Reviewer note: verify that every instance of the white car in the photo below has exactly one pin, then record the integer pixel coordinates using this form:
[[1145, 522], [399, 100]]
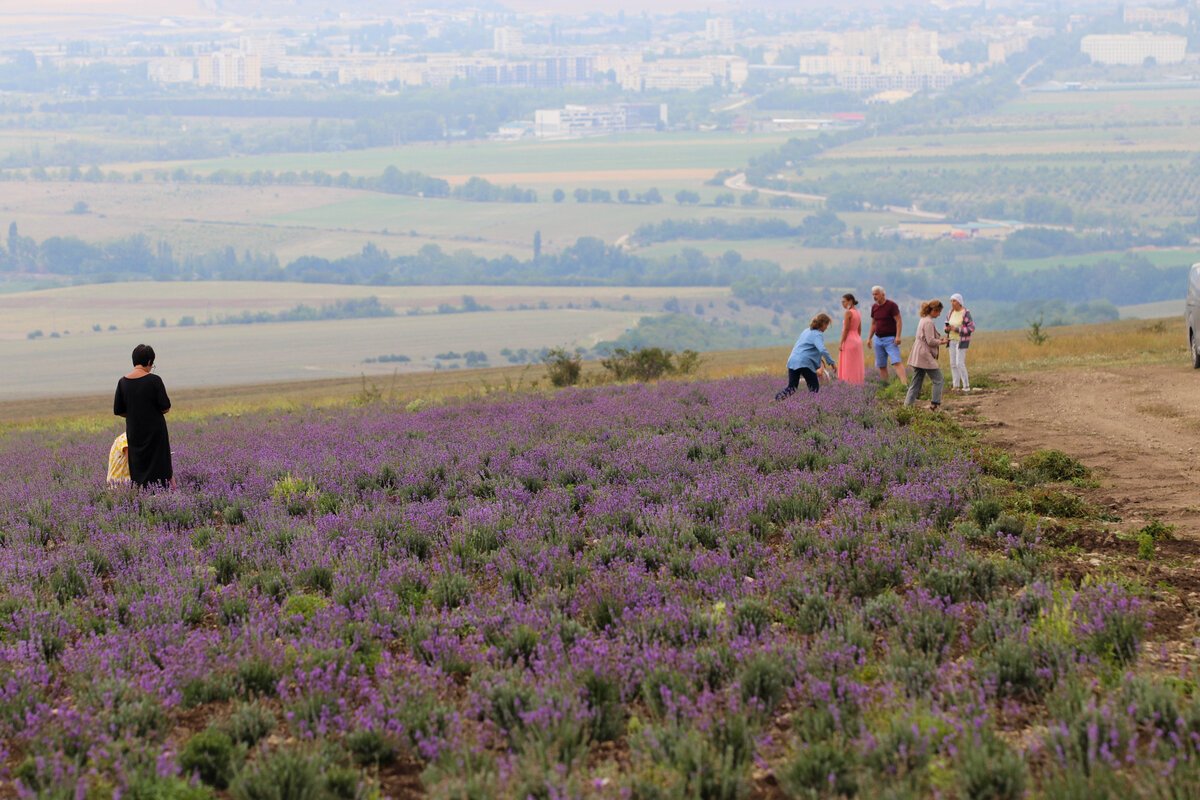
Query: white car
[[1193, 314]]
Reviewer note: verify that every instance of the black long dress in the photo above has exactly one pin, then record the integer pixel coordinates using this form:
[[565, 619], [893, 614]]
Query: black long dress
[[143, 401]]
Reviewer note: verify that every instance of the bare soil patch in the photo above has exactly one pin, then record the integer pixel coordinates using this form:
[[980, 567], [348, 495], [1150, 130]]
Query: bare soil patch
[[1137, 427]]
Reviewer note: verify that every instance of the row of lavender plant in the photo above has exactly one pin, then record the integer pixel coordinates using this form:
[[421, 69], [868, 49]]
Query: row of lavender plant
[[668, 591]]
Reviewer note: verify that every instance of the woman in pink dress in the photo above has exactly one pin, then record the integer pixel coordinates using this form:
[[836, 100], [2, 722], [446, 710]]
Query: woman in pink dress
[[850, 361]]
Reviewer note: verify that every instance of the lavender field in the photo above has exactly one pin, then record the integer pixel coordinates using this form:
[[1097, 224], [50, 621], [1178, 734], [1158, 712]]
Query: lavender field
[[671, 591]]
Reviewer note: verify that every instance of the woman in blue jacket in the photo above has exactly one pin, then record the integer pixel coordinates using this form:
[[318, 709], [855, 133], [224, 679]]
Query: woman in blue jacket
[[806, 357]]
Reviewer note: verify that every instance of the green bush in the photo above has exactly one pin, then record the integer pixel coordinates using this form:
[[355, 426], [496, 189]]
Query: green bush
[[811, 611], [1053, 503], [766, 678], [608, 712], [712, 764], [294, 773], [153, 787], [649, 363], [563, 368], [1052, 466], [752, 617], [211, 755], [1012, 664], [824, 768], [450, 590], [370, 748], [991, 770], [233, 609], [316, 579], [984, 512], [256, 676], [1009, 524], [212, 689], [304, 605], [249, 723]]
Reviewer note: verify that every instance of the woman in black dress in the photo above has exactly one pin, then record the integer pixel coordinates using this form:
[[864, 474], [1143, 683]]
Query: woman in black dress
[[142, 400]]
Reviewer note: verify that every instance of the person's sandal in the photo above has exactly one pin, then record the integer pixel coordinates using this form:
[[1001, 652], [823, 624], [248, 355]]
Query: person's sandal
[[934, 406]]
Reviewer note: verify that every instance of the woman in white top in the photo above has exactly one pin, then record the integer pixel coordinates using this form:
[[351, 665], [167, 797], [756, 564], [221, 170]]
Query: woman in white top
[[959, 326]]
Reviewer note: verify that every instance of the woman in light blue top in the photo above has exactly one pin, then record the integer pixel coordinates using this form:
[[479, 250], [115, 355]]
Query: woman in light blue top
[[806, 357]]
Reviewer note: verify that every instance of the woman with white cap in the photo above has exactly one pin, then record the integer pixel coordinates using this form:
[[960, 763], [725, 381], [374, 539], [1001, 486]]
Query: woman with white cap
[[959, 326]]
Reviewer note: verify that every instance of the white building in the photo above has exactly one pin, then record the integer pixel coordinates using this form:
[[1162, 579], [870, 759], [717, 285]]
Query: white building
[[835, 65], [691, 74], [172, 70], [507, 40], [227, 69], [269, 49], [1156, 16], [719, 31], [595, 120], [231, 69], [886, 44], [1132, 49]]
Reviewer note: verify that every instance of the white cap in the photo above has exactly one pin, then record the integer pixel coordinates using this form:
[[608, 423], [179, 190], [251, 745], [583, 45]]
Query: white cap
[[958, 297]]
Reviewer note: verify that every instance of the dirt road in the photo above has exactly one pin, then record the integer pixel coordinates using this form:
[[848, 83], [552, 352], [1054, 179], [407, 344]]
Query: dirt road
[[1137, 427]]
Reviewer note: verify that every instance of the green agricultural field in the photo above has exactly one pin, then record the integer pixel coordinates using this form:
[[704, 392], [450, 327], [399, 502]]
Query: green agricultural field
[[1165, 106], [72, 312], [1132, 139], [241, 354], [510, 225], [16, 141], [788, 253], [642, 160], [1159, 258]]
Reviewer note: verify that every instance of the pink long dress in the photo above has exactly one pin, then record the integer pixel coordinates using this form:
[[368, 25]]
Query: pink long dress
[[851, 367]]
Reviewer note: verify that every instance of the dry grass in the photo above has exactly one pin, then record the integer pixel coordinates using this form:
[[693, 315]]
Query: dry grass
[[992, 353]]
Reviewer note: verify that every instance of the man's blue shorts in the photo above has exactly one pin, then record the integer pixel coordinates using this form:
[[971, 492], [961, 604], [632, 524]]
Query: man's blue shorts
[[886, 351]]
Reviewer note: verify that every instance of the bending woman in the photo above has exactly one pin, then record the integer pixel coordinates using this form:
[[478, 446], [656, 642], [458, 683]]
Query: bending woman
[[807, 355], [142, 400]]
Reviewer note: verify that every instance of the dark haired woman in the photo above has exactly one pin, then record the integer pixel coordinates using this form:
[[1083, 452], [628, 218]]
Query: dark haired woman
[[851, 367], [807, 355], [924, 356], [142, 400]]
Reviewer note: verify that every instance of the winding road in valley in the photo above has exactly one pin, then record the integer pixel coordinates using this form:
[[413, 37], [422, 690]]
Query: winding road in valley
[[739, 183]]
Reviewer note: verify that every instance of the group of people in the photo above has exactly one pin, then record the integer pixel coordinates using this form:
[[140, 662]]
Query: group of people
[[142, 455], [810, 356]]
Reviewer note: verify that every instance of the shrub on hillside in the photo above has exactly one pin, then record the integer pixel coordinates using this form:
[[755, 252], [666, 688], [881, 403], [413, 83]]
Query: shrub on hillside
[[650, 363], [563, 368]]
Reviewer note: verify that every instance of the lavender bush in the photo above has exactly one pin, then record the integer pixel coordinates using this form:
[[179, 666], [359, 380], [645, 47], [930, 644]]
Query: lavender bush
[[665, 591]]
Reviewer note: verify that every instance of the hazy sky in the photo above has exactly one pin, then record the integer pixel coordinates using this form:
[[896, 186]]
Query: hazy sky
[[145, 8]]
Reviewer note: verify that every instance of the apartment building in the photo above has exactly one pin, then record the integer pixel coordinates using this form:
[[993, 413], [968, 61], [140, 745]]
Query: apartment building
[[886, 44], [1132, 49], [227, 69], [507, 40], [718, 30], [692, 74], [1156, 16]]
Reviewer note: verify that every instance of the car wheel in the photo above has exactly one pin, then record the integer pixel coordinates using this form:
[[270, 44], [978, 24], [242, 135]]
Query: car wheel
[[1195, 354]]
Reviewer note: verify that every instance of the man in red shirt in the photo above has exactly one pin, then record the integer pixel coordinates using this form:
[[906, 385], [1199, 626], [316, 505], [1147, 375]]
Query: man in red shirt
[[886, 325]]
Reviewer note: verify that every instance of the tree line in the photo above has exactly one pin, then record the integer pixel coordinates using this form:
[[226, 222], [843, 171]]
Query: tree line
[[392, 181], [817, 230], [1126, 279]]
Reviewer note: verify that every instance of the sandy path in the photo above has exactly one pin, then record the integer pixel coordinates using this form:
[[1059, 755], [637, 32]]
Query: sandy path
[[1138, 427]]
